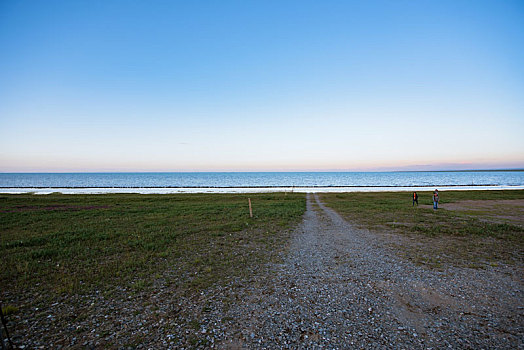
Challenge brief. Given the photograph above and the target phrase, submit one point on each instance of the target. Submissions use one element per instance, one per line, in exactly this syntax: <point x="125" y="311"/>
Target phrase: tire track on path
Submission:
<point x="341" y="287"/>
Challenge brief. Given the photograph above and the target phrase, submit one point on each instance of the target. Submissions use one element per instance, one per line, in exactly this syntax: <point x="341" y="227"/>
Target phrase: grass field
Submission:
<point x="93" y="261"/>
<point x="460" y="237"/>
<point x="56" y="244"/>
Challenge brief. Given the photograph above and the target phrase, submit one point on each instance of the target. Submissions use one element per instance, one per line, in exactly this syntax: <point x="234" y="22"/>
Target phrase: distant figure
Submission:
<point x="435" y="199"/>
<point x="415" y="198"/>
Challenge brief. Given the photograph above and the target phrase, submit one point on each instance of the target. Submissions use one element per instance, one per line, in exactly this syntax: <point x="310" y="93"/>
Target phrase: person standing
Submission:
<point x="415" y="198"/>
<point x="435" y="199"/>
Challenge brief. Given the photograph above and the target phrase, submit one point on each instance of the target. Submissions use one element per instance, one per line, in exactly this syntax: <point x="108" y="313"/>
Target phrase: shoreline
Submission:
<point x="249" y="189"/>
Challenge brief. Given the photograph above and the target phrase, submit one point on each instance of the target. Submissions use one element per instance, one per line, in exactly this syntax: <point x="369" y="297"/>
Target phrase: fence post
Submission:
<point x="250" y="210"/>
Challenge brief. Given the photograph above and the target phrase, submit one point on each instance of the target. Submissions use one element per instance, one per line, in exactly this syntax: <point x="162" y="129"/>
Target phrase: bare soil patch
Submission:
<point x="442" y="252"/>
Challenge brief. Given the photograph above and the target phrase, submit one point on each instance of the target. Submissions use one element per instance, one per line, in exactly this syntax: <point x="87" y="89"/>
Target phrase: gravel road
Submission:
<point x="336" y="287"/>
<point x="340" y="287"/>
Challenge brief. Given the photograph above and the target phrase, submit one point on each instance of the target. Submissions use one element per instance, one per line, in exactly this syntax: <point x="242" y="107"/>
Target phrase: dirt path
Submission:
<point x="341" y="288"/>
<point x="335" y="287"/>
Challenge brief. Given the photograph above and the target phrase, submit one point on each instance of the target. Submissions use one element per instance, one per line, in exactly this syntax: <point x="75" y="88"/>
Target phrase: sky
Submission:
<point x="267" y="85"/>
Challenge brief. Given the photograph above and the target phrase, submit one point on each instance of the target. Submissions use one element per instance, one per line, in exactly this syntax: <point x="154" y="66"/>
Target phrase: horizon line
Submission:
<point x="262" y="171"/>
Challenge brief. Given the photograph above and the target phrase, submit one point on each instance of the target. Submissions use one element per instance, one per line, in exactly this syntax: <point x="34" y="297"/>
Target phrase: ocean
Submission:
<point x="231" y="182"/>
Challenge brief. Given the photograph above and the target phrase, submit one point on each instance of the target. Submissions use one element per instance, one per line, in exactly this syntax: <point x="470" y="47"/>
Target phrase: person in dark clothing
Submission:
<point x="415" y="198"/>
<point x="435" y="199"/>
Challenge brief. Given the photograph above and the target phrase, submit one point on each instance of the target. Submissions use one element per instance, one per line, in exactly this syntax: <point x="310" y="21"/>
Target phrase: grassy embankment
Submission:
<point x="467" y="236"/>
<point x="67" y="244"/>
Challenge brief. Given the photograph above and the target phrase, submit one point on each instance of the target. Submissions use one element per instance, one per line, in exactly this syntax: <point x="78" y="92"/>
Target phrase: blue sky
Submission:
<point x="261" y="85"/>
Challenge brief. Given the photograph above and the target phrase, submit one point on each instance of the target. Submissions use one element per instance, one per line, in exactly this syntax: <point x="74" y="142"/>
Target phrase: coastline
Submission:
<point x="250" y="189"/>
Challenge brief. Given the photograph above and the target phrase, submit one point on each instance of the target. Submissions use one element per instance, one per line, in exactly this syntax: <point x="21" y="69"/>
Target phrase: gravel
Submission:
<point x="335" y="287"/>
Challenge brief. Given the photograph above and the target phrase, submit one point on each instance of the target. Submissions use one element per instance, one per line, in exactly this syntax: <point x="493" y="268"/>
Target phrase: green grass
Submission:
<point x="394" y="209"/>
<point x="468" y="235"/>
<point x="76" y="243"/>
<point x="9" y="309"/>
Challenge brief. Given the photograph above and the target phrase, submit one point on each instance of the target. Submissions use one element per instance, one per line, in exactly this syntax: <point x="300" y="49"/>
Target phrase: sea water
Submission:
<point x="257" y="181"/>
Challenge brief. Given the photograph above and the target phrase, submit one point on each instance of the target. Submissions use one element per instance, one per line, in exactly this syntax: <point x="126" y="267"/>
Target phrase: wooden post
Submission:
<point x="250" y="210"/>
<point x="4" y="323"/>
